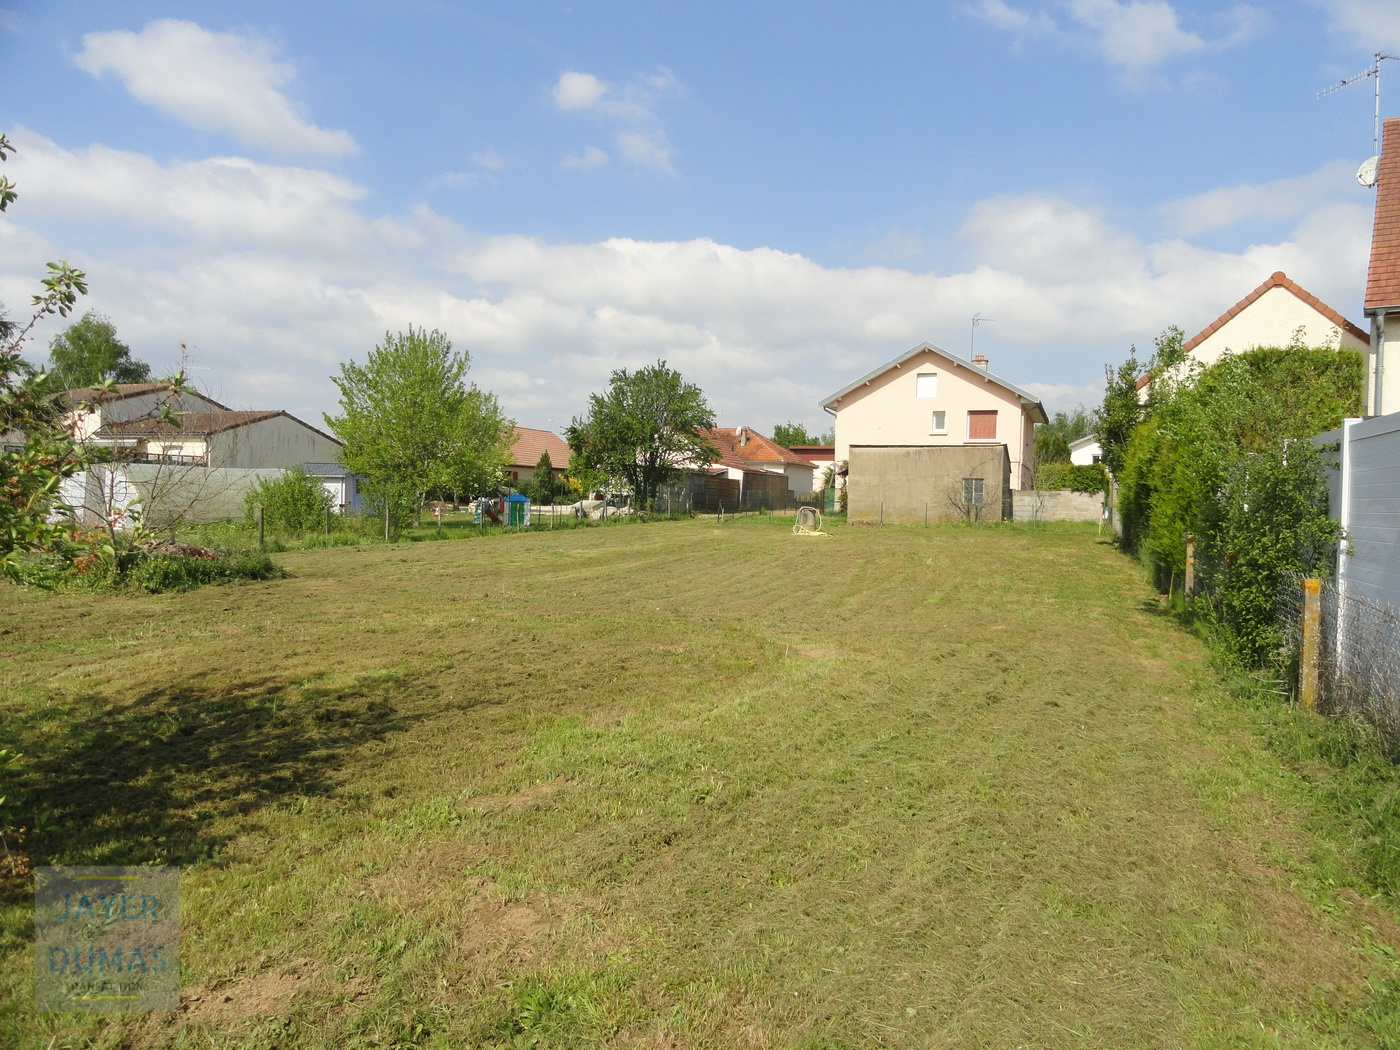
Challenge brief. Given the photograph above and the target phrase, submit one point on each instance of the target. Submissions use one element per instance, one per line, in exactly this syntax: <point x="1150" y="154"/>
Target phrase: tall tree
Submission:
<point x="1121" y="412"/>
<point x="543" y="484"/>
<point x="411" y="424"/>
<point x="789" y="434"/>
<point x="644" y="430"/>
<point x="88" y="353"/>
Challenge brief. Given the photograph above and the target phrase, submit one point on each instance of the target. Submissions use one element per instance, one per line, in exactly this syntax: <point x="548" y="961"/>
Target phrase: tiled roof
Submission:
<point x="198" y="423"/>
<point x="1383" y="277"/>
<point x="816" y="453"/>
<point x="1029" y="402"/>
<point x="1278" y="279"/>
<point x="531" y="444"/>
<point x="124" y="390"/>
<point x="744" y="446"/>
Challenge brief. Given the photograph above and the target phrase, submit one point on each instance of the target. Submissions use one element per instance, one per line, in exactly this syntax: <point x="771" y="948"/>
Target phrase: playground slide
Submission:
<point x="491" y="513"/>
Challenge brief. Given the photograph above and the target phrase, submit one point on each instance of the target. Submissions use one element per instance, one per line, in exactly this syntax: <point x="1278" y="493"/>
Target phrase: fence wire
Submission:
<point x="1358" y="651"/>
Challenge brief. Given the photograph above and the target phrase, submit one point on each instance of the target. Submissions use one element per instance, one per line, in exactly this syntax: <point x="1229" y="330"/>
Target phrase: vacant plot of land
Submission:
<point x="677" y="786"/>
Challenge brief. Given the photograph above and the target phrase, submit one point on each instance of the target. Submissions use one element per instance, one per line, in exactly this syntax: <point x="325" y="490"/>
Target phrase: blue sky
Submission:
<point x="774" y="197"/>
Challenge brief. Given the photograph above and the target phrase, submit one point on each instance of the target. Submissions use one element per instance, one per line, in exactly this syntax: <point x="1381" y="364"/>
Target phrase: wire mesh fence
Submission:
<point x="1357" y="654"/>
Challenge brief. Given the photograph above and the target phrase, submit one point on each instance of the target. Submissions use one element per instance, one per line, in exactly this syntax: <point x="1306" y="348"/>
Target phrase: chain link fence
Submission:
<point x="1358" y="651"/>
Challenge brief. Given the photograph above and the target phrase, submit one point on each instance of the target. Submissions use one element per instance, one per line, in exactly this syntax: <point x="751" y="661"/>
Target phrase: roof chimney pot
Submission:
<point x="980" y="361"/>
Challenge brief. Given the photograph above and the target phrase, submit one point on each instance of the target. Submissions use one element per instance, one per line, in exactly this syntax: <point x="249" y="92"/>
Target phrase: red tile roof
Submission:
<point x="1278" y="279"/>
<point x="531" y="444"/>
<point x="744" y="446"/>
<point x="1383" y="277"/>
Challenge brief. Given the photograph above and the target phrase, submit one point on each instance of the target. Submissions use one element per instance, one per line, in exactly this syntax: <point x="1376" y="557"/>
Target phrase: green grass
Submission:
<point x="690" y="786"/>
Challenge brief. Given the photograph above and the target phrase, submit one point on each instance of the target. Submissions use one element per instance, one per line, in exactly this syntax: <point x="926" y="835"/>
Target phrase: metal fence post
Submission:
<point x="1312" y="630"/>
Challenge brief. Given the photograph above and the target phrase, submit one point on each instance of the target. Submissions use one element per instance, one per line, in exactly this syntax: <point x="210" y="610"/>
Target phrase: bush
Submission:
<point x="1053" y="477"/>
<point x="1228" y="458"/>
<point x="294" y="502"/>
<point x="162" y="573"/>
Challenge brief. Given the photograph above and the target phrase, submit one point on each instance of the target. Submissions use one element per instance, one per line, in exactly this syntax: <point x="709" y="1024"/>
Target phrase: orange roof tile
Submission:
<point x="1383" y="276"/>
<point x="744" y="446"/>
<point x="531" y="444"/>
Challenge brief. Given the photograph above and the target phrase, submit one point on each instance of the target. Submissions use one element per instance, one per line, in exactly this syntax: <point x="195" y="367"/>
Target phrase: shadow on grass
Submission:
<point x="146" y="781"/>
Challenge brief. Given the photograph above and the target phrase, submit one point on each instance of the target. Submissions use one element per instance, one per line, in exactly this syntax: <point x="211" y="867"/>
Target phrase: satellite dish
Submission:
<point x="1369" y="172"/>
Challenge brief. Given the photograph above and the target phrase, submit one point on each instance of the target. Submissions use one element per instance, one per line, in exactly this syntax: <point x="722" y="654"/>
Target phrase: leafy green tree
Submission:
<point x="89" y="353"/>
<point x="411" y="424"/>
<point x="789" y="434"/>
<point x="1228" y="458"/>
<point x="644" y="431"/>
<point x="543" y="486"/>
<point x="1121" y="412"/>
<point x="294" y="501"/>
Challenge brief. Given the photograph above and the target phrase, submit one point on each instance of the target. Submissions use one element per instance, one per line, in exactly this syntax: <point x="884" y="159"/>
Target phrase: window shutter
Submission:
<point x="982" y="426"/>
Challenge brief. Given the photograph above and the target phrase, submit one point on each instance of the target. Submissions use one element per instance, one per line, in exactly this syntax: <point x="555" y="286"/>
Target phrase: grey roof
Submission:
<point x="1028" y="400"/>
<point x="326" y="470"/>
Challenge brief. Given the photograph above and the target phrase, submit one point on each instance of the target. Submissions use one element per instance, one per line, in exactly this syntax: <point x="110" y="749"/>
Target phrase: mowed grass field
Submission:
<point x="685" y="785"/>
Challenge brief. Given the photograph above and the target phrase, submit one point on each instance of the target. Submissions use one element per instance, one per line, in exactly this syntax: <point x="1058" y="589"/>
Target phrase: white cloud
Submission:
<point x="1373" y="24"/>
<point x="1281" y="199"/>
<point x="591" y="157"/>
<point x="276" y="274"/>
<point x="578" y="91"/>
<point x="648" y="148"/>
<point x="221" y="82"/>
<point x="1003" y="16"/>
<point x="1134" y="35"/>
<point x="491" y="159"/>
<point x="631" y="108"/>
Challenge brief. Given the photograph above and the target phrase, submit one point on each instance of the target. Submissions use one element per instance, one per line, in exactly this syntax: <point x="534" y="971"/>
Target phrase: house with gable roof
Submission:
<point x="930" y="430"/>
<point x="528" y="447"/>
<point x="746" y="449"/>
<point x="1277" y="313"/>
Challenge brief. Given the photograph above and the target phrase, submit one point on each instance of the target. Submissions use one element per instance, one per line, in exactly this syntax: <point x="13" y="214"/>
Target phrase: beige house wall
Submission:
<point x="889" y="411"/>
<point x="1383" y="368"/>
<point x="1272" y="320"/>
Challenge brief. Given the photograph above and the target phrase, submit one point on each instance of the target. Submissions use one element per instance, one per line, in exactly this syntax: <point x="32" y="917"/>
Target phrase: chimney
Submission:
<point x="980" y="361"/>
<point x="743" y="436"/>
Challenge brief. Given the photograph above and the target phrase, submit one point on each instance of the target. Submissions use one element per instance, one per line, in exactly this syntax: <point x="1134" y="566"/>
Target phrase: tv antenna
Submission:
<point x="1374" y="70"/>
<point x="977" y="319"/>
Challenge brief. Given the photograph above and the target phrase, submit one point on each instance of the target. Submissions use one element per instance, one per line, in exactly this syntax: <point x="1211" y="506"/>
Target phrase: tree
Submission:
<point x="89" y="353"/>
<point x="644" y="430"/>
<point x="789" y="434"/>
<point x="295" y="501"/>
<point x="412" y="425"/>
<point x="1121" y="412"/>
<point x="543" y="485"/>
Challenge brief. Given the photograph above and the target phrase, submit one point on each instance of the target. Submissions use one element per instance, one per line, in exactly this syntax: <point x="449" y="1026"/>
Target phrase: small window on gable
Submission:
<point x="939" y="424"/>
<point x="927" y="384"/>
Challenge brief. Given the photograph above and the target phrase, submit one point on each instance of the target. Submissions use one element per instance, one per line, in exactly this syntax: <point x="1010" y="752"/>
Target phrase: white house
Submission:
<point x="1277" y="313"/>
<point x="928" y="397"/>
<point x="1085" y="451"/>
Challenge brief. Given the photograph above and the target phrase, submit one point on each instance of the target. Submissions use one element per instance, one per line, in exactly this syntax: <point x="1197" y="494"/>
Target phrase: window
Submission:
<point x="939" y="424"/>
<point x="982" y="426"/>
<point x="974" y="491"/>
<point x="927" y="384"/>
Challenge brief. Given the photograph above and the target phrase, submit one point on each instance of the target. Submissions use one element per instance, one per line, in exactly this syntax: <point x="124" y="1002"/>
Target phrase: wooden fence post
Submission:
<point x="1190" y="566"/>
<point x="1312" y="630"/>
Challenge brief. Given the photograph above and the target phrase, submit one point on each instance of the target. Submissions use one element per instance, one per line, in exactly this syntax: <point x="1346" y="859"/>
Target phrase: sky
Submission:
<point x="773" y="198"/>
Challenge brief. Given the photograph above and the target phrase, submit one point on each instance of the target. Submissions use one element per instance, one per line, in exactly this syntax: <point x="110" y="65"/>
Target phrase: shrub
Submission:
<point x="163" y="573"/>
<point x="1074" y="477"/>
<point x="294" y="502"/>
